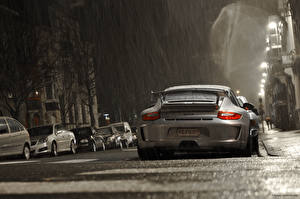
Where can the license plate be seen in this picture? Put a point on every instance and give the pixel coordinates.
(188, 132)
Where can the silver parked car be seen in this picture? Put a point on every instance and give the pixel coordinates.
(111, 136)
(14, 138)
(52, 139)
(123, 128)
(254, 118)
(194, 118)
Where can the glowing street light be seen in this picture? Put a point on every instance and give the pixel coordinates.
(264, 74)
(238, 92)
(268, 48)
(263, 81)
(272, 25)
(264, 65)
(262, 86)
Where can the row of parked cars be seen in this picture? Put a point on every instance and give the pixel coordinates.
(52, 139)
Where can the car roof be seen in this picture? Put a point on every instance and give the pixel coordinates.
(200, 87)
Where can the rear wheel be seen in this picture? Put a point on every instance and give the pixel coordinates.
(103, 146)
(255, 143)
(54, 149)
(26, 152)
(148, 154)
(93, 147)
(72, 147)
(248, 150)
(166, 155)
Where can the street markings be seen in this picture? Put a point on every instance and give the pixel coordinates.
(18, 162)
(73, 161)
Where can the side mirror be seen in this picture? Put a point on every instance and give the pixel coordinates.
(248, 106)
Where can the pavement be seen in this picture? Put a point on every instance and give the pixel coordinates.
(281, 143)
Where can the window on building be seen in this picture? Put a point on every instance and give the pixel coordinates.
(49, 92)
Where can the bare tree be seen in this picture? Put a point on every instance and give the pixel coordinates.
(22, 61)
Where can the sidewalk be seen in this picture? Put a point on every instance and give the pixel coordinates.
(281, 143)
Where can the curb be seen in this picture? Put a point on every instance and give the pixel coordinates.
(262, 149)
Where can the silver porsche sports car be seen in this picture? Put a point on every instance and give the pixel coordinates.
(194, 118)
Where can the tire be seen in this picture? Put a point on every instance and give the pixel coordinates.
(54, 149)
(148, 154)
(248, 150)
(125, 144)
(167, 155)
(26, 152)
(93, 147)
(103, 146)
(72, 147)
(255, 143)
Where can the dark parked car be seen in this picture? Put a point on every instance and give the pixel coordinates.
(88, 138)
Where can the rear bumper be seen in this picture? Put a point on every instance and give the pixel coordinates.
(220, 135)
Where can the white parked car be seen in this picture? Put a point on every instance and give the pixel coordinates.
(52, 139)
(125, 132)
(14, 138)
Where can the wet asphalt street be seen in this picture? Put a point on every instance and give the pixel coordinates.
(120, 174)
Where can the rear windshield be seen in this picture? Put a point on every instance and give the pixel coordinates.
(106, 130)
(120, 128)
(191, 96)
(43, 130)
(82, 131)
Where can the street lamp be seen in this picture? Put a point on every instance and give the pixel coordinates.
(238, 92)
(267, 48)
(264, 65)
(262, 86)
(272, 25)
(264, 74)
(263, 81)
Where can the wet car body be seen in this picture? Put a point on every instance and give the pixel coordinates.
(254, 119)
(88, 138)
(111, 137)
(125, 132)
(14, 138)
(51, 139)
(195, 118)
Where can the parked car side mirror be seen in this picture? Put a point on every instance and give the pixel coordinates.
(248, 106)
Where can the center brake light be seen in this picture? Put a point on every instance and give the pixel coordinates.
(151, 116)
(224, 115)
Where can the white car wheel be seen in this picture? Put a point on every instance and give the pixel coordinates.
(72, 147)
(93, 147)
(26, 152)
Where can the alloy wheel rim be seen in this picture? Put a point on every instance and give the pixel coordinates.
(26, 153)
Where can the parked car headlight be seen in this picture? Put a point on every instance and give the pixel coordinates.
(111, 139)
(43, 140)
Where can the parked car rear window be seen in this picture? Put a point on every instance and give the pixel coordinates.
(120, 128)
(106, 130)
(3, 127)
(44, 130)
(82, 131)
(13, 125)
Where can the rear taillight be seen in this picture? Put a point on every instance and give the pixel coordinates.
(151, 116)
(223, 115)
